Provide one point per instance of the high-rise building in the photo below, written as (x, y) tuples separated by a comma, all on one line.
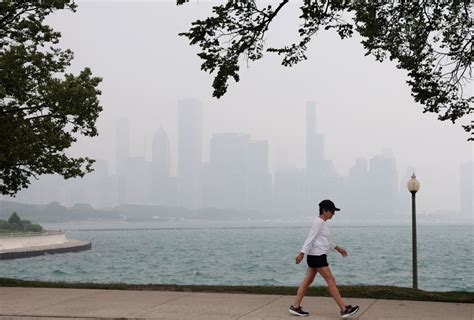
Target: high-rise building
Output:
[(316, 166), (314, 142), (467, 180), (288, 193), (94, 186), (122, 152), (189, 152), (383, 186), (237, 176), (162, 192), (160, 154), (259, 181), (356, 188), (137, 181), (227, 172), (122, 146)]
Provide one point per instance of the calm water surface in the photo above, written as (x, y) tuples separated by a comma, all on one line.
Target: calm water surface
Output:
[(254, 255)]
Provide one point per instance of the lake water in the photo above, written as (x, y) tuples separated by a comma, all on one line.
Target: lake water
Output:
[(251, 253)]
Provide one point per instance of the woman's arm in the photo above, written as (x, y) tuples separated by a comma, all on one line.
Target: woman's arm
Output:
[(299, 257), (341, 251)]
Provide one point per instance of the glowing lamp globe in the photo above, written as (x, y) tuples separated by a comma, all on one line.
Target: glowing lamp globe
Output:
[(413, 184)]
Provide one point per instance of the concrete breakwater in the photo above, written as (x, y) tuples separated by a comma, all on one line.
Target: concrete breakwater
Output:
[(28, 245)]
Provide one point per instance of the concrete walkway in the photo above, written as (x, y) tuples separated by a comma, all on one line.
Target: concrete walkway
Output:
[(45, 303)]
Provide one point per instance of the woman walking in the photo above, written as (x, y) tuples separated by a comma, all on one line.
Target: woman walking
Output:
[(316, 247)]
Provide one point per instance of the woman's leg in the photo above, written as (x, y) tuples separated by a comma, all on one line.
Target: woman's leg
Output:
[(308, 279), (327, 275)]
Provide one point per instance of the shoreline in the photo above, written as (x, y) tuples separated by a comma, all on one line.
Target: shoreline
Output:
[(28, 252), (349, 291), (24, 245), (104, 225)]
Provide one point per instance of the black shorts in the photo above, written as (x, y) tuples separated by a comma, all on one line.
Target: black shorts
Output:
[(317, 261)]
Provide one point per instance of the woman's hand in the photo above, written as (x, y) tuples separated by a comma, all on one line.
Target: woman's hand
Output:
[(299, 257), (342, 251)]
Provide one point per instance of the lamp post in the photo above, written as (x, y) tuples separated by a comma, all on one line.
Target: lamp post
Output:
[(413, 186)]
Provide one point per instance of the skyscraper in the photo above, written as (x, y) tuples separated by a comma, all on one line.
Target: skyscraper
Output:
[(314, 142), (160, 154), (258, 178), (288, 193), (160, 170), (228, 171), (122, 152), (189, 152), (356, 187), (137, 181), (237, 174), (383, 186), (315, 164), (122, 146)]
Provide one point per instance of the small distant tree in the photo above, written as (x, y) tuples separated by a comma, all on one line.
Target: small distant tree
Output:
[(31, 227), (15, 224), (14, 219)]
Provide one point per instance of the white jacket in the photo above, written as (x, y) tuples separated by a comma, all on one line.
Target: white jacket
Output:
[(318, 241)]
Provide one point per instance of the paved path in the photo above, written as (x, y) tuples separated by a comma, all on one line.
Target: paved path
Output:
[(46, 303)]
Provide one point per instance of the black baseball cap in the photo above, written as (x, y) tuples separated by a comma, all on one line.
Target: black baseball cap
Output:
[(328, 205)]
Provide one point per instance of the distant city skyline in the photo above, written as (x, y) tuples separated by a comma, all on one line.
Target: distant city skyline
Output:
[(363, 107), (237, 176)]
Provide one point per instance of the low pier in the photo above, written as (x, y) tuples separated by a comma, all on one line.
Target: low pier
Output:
[(35, 244)]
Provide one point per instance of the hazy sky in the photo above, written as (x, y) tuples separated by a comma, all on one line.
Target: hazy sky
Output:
[(363, 106)]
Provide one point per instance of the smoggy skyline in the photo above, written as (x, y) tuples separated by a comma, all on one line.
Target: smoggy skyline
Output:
[(363, 107)]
